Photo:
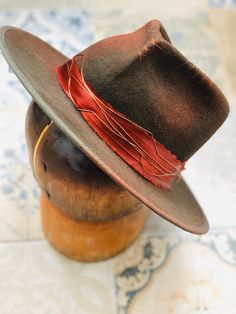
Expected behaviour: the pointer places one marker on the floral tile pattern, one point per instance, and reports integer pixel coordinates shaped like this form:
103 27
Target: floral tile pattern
166 270
178 274
19 193
169 273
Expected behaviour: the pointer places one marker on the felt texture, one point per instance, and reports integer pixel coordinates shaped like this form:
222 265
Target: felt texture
132 143
143 76
155 87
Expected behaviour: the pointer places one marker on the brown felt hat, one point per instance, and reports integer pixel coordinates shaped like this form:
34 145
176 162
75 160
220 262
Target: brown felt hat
142 75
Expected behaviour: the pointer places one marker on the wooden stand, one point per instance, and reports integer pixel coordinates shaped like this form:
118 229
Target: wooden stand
85 214
89 241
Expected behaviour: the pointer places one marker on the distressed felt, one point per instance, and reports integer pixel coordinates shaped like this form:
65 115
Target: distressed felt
125 77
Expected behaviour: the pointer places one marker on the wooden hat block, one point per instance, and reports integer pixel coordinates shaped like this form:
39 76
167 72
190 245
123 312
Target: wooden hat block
85 214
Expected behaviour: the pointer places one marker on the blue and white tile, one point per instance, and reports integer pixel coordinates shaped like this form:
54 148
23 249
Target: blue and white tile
70 31
164 270
178 274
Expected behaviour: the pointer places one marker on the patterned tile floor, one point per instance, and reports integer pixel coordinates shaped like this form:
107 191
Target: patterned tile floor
19 214
166 270
178 274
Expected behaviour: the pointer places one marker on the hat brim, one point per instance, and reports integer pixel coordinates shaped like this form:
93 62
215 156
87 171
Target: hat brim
34 63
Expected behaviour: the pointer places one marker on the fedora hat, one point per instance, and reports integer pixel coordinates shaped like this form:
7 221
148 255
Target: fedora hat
144 80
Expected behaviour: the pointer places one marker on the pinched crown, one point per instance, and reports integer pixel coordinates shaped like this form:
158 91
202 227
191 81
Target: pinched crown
146 78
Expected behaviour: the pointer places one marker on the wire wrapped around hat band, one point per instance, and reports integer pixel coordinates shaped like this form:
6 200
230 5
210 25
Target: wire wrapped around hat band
134 144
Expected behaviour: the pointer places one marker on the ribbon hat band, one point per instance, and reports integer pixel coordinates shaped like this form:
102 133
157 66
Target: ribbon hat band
134 144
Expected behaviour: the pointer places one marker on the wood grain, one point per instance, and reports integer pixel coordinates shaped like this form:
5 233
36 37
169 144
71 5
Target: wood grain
85 214
86 240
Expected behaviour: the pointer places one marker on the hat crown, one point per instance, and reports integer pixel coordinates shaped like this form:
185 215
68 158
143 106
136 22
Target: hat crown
143 76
